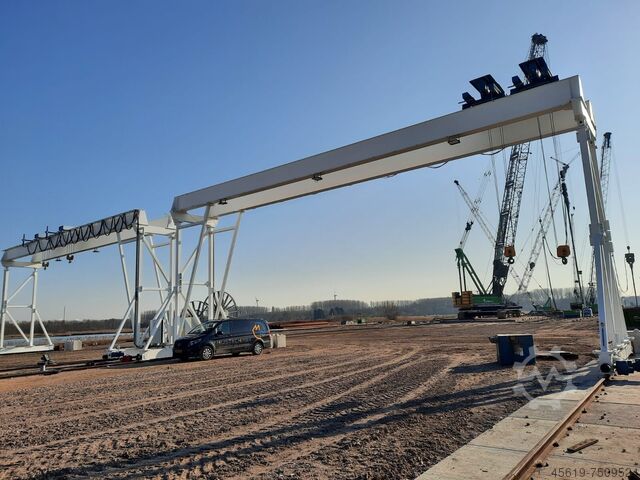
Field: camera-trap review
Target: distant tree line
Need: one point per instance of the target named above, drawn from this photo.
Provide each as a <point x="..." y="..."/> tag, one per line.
<point x="330" y="309"/>
<point x="59" y="327"/>
<point x="56" y="327"/>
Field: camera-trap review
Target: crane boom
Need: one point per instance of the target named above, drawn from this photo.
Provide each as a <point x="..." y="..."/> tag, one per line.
<point x="476" y="205"/>
<point x="512" y="195"/>
<point x="545" y="221"/>
<point x="483" y="222"/>
<point x="475" y="212"/>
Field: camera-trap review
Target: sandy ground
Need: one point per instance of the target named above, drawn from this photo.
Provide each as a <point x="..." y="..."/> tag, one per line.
<point x="360" y="402"/>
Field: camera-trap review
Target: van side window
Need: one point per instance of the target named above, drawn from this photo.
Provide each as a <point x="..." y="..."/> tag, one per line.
<point x="224" y="328"/>
<point x="238" y="327"/>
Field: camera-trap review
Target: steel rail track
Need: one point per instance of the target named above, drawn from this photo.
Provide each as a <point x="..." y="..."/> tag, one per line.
<point x="31" y="371"/>
<point x="527" y="465"/>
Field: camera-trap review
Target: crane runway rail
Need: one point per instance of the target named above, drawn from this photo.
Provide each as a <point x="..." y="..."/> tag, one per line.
<point x="534" y="459"/>
<point x="60" y="367"/>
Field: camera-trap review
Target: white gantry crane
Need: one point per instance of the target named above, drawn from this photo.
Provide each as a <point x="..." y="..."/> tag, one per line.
<point x="544" y="107"/>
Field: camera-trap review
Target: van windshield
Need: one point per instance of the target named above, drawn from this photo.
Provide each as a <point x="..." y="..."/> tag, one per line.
<point x="203" y="327"/>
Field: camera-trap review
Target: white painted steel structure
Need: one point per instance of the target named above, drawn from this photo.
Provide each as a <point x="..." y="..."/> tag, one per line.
<point x="537" y="113"/>
<point x="174" y="314"/>
<point x="6" y="315"/>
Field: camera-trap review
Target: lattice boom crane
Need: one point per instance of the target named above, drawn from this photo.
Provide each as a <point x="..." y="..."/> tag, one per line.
<point x="504" y="249"/>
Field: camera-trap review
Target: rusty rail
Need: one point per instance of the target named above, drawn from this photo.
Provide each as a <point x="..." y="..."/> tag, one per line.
<point x="526" y="466"/>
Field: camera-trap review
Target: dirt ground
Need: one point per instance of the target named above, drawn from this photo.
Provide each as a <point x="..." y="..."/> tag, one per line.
<point x="358" y="402"/>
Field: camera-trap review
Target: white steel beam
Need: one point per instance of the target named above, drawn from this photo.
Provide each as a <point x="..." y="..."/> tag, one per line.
<point x="507" y="121"/>
<point x="194" y="269"/>
<point x="211" y="272"/>
<point x="123" y="265"/>
<point x="34" y="296"/>
<point x="20" y="255"/>
<point x="227" y="267"/>
<point x="3" y="305"/>
<point x="614" y="341"/>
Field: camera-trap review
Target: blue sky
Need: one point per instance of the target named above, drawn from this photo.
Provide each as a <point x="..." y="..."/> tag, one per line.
<point x="109" y="106"/>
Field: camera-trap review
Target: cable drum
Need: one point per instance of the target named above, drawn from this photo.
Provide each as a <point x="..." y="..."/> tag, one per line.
<point x="228" y="307"/>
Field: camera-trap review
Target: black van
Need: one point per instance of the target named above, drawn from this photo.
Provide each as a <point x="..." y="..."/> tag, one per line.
<point x="233" y="336"/>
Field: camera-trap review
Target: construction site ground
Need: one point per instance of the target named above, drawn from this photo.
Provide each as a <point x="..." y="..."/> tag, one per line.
<point x="361" y="401"/>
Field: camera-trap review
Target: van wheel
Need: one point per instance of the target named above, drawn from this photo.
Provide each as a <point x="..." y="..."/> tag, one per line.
<point x="257" y="348"/>
<point x="206" y="353"/>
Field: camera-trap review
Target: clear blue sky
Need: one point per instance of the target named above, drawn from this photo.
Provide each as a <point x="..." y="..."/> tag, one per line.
<point x="109" y="106"/>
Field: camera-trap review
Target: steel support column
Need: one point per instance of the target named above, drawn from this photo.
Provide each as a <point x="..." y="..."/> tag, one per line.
<point x="136" y="294"/>
<point x="219" y="309"/>
<point x="3" y="305"/>
<point x="194" y="268"/>
<point x="34" y="296"/>
<point x="177" y="287"/>
<point x="614" y="343"/>
<point x="211" y="264"/>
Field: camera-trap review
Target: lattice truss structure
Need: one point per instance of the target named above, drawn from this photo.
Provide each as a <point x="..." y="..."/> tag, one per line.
<point x="529" y="114"/>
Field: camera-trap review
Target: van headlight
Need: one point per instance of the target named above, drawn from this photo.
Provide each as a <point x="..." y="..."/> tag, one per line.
<point x="193" y="343"/>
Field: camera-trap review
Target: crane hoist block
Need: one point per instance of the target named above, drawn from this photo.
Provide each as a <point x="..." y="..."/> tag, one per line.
<point x="564" y="251"/>
<point x="630" y="258"/>
<point x="509" y="251"/>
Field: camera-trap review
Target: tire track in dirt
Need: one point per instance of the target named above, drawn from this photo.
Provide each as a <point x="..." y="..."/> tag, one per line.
<point x="147" y="407"/>
<point x="100" y="407"/>
<point x="127" y="380"/>
<point x="421" y="431"/>
<point x="363" y="420"/>
<point x="244" y="438"/>
<point x="187" y="393"/>
<point x="303" y="450"/>
<point x="131" y="432"/>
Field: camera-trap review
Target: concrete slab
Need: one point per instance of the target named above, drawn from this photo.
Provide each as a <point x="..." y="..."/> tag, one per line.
<point x="544" y="409"/>
<point x="151" y="354"/>
<point x="613" y="443"/>
<point x="572" y="395"/>
<point x="625" y="392"/>
<point x="521" y="434"/>
<point x="473" y="462"/>
<point x="27" y="349"/>
<point x="613" y="414"/>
